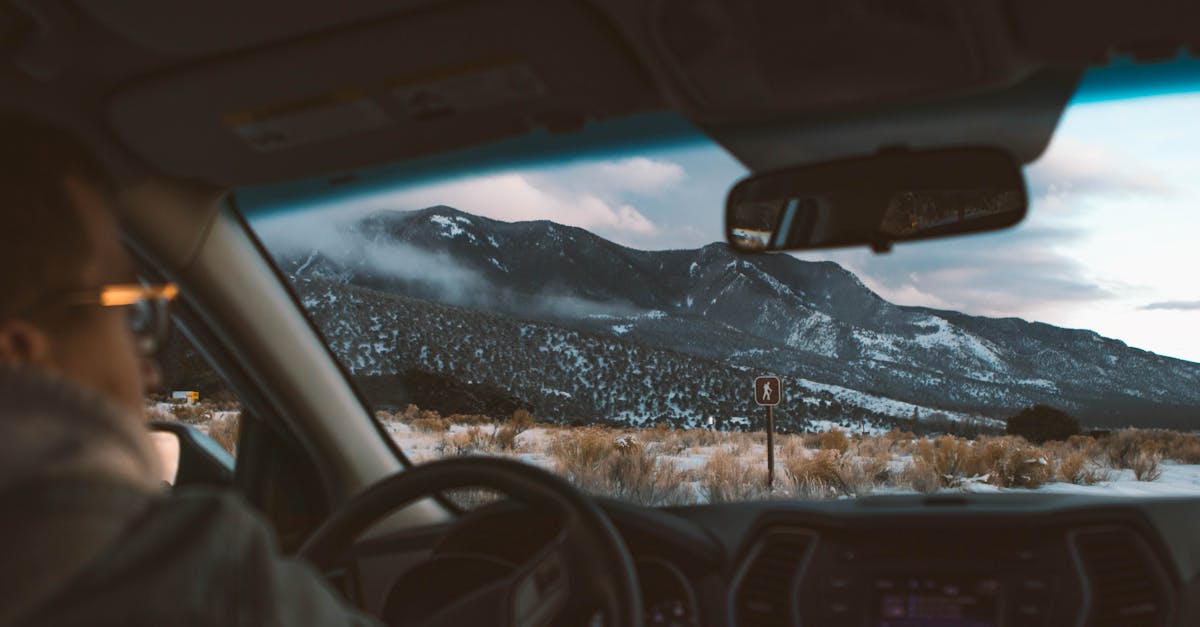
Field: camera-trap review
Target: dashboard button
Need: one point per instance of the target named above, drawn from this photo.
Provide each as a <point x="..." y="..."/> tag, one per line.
<point x="1037" y="585"/>
<point x="837" y="584"/>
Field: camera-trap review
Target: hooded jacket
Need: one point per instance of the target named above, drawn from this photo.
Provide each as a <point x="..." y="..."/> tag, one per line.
<point x="88" y="536"/>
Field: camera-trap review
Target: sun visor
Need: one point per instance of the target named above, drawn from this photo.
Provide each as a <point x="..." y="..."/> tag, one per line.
<point x="733" y="58"/>
<point x="207" y="27"/>
<point x="1019" y="119"/>
<point x="1088" y="32"/>
<point x="383" y="92"/>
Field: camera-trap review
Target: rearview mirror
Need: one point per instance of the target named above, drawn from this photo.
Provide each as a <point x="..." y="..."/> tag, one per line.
<point x="891" y="197"/>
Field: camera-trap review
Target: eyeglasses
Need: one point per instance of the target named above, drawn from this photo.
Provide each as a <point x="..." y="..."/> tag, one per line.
<point x="147" y="308"/>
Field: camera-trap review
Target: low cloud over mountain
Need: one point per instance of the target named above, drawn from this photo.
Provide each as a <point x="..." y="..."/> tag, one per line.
<point x="609" y="321"/>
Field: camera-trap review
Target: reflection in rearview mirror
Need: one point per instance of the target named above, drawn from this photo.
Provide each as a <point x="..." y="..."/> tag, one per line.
<point x="910" y="213"/>
<point x="877" y="200"/>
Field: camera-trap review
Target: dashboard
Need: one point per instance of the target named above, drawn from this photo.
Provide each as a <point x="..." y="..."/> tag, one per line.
<point x="998" y="560"/>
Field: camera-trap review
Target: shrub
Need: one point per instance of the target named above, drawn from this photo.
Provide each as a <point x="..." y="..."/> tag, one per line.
<point x="618" y="466"/>
<point x="921" y="476"/>
<point x="1147" y="465"/>
<point x="1071" y="468"/>
<point x="729" y="478"/>
<point x="818" y="476"/>
<point x="988" y="454"/>
<point x="156" y="413"/>
<point x="468" y="419"/>
<point x="862" y="474"/>
<point x="951" y="459"/>
<point x="924" y="451"/>
<point x="1122" y="448"/>
<point x="627" y="444"/>
<point x="791" y="446"/>
<point x="504" y="439"/>
<point x="225" y="432"/>
<point x="1022" y="466"/>
<point x="634" y="474"/>
<point x="1079" y="468"/>
<point x="521" y="421"/>
<point x="833" y="440"/>
<point x="460" y="443"/>
<point x="578" y="452"/>
<point x="192" y="414"/>
<point x="680" y="440"/>
<point x="434" y="424"/>
<point x="1183" y="448"/>
<point x="1042" y="423"/>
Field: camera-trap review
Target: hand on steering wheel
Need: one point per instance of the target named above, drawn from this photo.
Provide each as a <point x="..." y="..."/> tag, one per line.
<point x="584" y="569"/>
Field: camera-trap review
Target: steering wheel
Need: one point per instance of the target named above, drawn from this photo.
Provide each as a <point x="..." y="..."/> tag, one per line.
<point x="584" y="568"/>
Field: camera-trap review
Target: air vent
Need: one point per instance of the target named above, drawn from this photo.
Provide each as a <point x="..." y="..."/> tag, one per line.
<point x="764" y="592"/>
<point x="1126" y="584"/>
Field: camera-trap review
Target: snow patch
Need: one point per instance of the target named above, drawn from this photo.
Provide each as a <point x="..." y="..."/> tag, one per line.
<point x="450" y="226"/>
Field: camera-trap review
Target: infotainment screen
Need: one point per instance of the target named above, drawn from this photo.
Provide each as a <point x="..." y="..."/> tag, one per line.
<point x="933" y="601"/>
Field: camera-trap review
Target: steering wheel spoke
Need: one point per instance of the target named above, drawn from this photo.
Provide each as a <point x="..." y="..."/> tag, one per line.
<point x="585" y="571"/>
<point x="542" y="588"/>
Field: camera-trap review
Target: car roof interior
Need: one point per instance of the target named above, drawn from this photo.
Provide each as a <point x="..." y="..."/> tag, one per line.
<point x="175" y="88"/>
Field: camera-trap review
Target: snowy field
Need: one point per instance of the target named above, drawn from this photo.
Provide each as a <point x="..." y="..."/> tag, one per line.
<point x="660" y="467"/>
<point x="665" y="466"/>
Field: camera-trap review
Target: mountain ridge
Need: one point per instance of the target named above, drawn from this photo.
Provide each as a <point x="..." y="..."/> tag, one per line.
<point x="814" y="321"/>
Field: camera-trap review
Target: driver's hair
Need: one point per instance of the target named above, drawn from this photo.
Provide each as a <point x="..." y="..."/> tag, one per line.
<point x="44" y="245"/>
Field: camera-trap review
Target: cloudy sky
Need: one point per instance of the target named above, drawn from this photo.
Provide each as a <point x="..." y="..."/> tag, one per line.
<point x="1112" y="241"/>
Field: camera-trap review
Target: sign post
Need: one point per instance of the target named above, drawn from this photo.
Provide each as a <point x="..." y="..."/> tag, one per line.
<point x="767" y="392"/>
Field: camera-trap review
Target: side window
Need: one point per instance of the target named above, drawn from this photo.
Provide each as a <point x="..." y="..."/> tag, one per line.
<point x="193" y="393"/>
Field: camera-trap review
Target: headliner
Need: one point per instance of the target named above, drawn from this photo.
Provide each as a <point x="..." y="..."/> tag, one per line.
<point x="175" y="88"/>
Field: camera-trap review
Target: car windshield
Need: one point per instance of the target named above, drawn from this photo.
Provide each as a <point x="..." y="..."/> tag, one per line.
<point x="586" y="316"/>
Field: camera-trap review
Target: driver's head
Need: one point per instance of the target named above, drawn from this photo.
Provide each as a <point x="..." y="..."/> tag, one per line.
<point x="59" y="241"/>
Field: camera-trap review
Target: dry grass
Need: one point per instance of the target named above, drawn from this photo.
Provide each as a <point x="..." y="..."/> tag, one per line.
<point x="817" y="476"/>
<point x="155" y="413"/>
<point x="952" y="459"/>
<point x="505" y="438"/>
<point x="469" y="419"/>
<point x="1183" y="448"/>
<point x="727" y="477"/>
<point x="617" y="464"/>
<point x="833" y="440"/>
<point x="1147" y="465"/>
<point x="662" y="465"/>
<point x="1124" y="448"/>
<point x="431" y="424"/>
<point x="920" y="476"/>
<point x="521" y="421"/>
<point x="225" y="432"/>
<point x="627" y="463"/>
<point x="193" y="414"/>
<point x="1022" y="466"/>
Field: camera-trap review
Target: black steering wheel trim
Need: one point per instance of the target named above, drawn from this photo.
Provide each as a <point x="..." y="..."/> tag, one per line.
<point x="589" y="555"/>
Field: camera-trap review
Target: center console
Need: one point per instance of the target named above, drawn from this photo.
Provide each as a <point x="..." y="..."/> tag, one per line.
<point x="923" y="575"/>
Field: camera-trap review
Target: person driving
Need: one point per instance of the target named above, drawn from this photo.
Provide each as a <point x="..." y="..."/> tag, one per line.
<point x="87" y="534"/>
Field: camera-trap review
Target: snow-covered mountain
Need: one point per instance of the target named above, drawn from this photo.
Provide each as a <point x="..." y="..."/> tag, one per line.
<point x="814" y="323"/>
